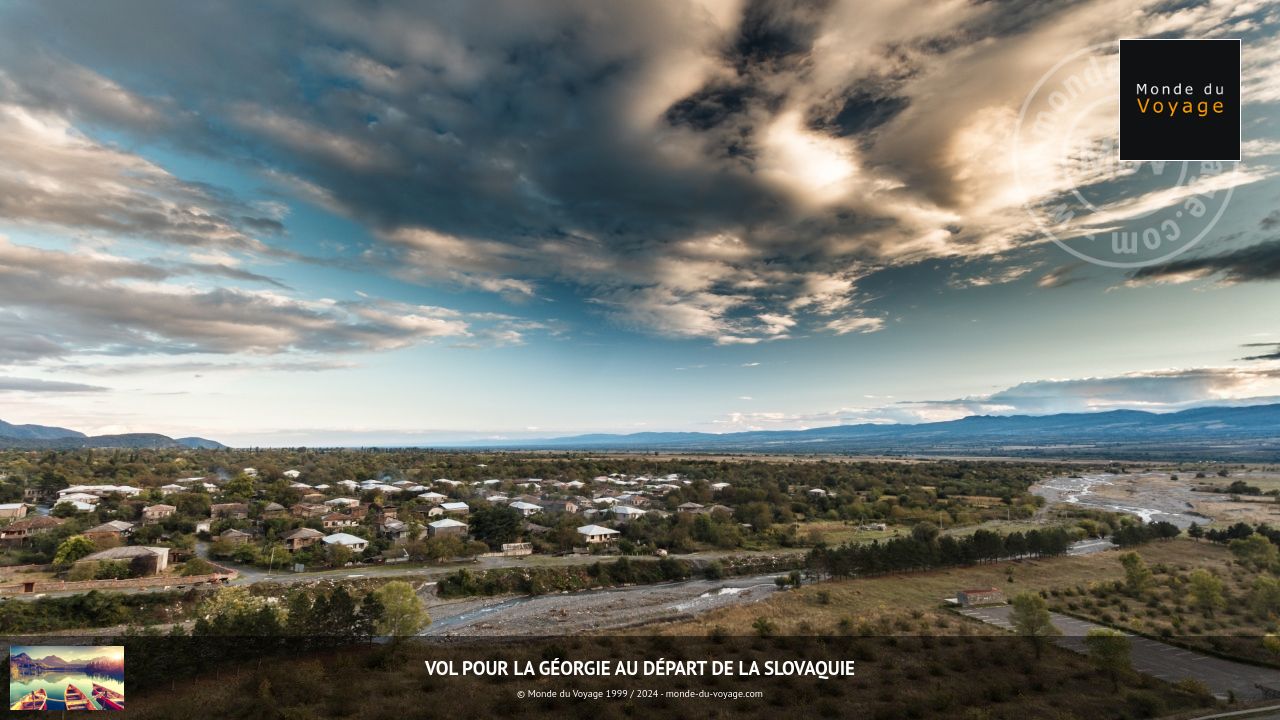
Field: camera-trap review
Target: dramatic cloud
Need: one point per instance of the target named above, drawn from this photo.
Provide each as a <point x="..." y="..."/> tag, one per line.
<point x="718" y="169"/>
<point x="1251" y="263"/>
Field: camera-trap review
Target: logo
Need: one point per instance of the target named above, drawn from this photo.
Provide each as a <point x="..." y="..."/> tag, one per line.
<point x="1101" y="209"/>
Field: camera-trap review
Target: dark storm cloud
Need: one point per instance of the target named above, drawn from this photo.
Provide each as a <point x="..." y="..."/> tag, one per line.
<point x="1252" y="263"/>
<point x="698" y="169"/>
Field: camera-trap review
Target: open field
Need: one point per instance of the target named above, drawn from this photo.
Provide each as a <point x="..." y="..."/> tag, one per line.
<point x="918" y="597"/>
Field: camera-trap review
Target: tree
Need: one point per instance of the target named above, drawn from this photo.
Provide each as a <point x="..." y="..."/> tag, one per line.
<point x="1265" y="597"/>
<point x="403" y="613"/>
<point x="1031" y="619"/>
<point x="1137" y="576"/>
<point x="925" y="532"/>
<point x="1109" y="653"/>
<point x="1195" y="531"/>
<point x="1206" y="591"/>
<point x="72" y="549"/>
<point x="495" y="525"/>
<point x="1255" y="552"/>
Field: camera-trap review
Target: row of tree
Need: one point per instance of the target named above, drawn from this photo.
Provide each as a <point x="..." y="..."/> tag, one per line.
<point x="924" y="549"/>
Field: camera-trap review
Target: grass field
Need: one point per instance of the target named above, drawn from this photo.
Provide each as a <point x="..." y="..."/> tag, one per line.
<point x="916" y="599"/>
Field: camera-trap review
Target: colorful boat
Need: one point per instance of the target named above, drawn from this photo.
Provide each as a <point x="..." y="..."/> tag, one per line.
<point x="108" y="698"/>
<point x="75" y="699"/>
<point x="37" y="700"/>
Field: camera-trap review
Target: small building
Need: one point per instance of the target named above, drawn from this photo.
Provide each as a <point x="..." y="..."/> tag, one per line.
<point x="149" y="560"/>
<point x="354" y="543"/>
<point x="689" y="507"/>
<point x="561" y="506"/>
<point x="596" y="534"/>
<point x="455" y="508"/>
<point x="274" y="510"/>
<point x="20" y="530"/>
<point x="980" y="596"/>
<point x="232" y="536"/>
<point x="12" y="511"/>
<point x="116" y="530"/>
<point x="337" y="520"/>
<point x="171" y="488"/>
<point x="447" y="526"/>
<point x="626" y="513"/>
<point x="229" y="510"/>
<point x="302" y="538"/>
<point x="525" y="508"/>
<point x="308" y="510"/>
<point x="152" y="513"/>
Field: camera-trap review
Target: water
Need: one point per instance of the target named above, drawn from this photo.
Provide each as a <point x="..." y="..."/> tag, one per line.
<point x="55" y="684"/>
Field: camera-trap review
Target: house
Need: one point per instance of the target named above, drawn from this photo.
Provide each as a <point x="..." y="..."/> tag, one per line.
<point x="171" y="488"/>
<point x="342" y="502"/>
<point x="626" y="513"/>
<point x="81" y="498"/>
<point x="20" y="530"/>
<point x="229" y="510"/>
<point x="114" y="530"/>
<point x="455" y="508"/>
<point x="337" y="520"/>
<point x="596" y="534"/>
<point x="980" y="596"/>
<point x="395" y="530"/>
<point x="561" y="506"/>
<point x="234" y="537"/>
<point x="308" y="510"/>
<point x="301" y="538"/>
<point x="274" y="510"/>
<point x="447" y="526"/>
<point x="689" y="507"/>
<point x="149" y="560"/>
<point x="152" y="513"/>
<point x="355" y="544"/>
<point x="525" y="508"/>
<point x="12" y="510"/>
<point x="817" y="492"/>
<point x="717" y="487"/>
<point x="292" y="474"/>
<point x="100" y="490"/>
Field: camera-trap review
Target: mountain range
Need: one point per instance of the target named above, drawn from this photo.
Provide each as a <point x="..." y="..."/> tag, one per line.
<point x="1251" y="432"/>
<point x="41" y="437"/>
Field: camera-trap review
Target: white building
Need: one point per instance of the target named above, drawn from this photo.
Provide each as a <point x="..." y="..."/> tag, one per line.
<point x="594" y="534"/>
<point x="356" y="544"/>
<point x="526" y="508"/>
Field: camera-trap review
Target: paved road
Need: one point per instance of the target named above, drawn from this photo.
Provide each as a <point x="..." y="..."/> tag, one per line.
<point x="1089" y="547"/>
<point x="1161" y="660"/>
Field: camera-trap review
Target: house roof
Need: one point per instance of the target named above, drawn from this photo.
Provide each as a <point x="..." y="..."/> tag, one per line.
<point x="11" y="506"/>
<point x="627" y="510"/>
<point x="113" y="526"/>
<point x="522" y="505"/>
<point x="37" y="522"/>
<point x="447" y="523"/>
<point x="160" y="506"/>
<point x="344" y="539"/>
<point x="596" y="530"/>
<point x="454" y="506"/>
<point x="127" y="552"/>
<point x="303" y="533"/>
<point x="232" y="532"/>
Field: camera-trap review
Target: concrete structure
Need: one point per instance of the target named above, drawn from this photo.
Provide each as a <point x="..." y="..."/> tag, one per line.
<point x="115" y="530"/>
<point x="980" y="596"/>
<point x="229" y="510"/>
<point x="13" y="511"/>
<point x="20" y="530"/>
<point x="525" y="508"/>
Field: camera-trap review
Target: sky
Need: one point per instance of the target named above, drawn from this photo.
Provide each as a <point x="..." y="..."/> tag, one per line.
<point x="70" y="653"/>
<point x="322" y="222"/>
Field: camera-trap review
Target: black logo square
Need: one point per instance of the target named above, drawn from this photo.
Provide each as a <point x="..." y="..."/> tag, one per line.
<point x="1179" y="99"/>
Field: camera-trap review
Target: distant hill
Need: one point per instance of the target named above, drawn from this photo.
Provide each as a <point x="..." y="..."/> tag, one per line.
<point x="36" y="432"/>
<point x="43" y="437"/>
<point x="1251" y="432"/>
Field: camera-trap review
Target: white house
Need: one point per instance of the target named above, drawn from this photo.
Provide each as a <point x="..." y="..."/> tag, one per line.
<point x="356" y="544"/>
<point x="171" y="488"/>
<point x="526" y="508"/>
<point x="455" y="508"/>
<point x="625" y="513"/>
<point x="594" y="534"/>
<point x="292" y="474"/>
<point x="433" y="497"/>
<point x="342" y="502"/>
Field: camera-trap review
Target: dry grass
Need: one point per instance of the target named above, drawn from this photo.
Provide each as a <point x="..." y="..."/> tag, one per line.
<point x="822" y="606"/>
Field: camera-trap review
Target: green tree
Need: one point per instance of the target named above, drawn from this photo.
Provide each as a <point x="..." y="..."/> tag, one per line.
<point x="1031" y="619"/>
<point x="1206" y="591"/>
<point x="1137" y="576"/>
<point x="1255" y="552"/>
<point x="403" y="612"/>
<point x="1109" y="653"/>
<point x="72" y="549"/>
<point x="1264" y="599"/>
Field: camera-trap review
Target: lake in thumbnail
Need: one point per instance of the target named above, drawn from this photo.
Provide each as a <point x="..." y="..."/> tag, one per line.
<point x="66" y="677"/>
